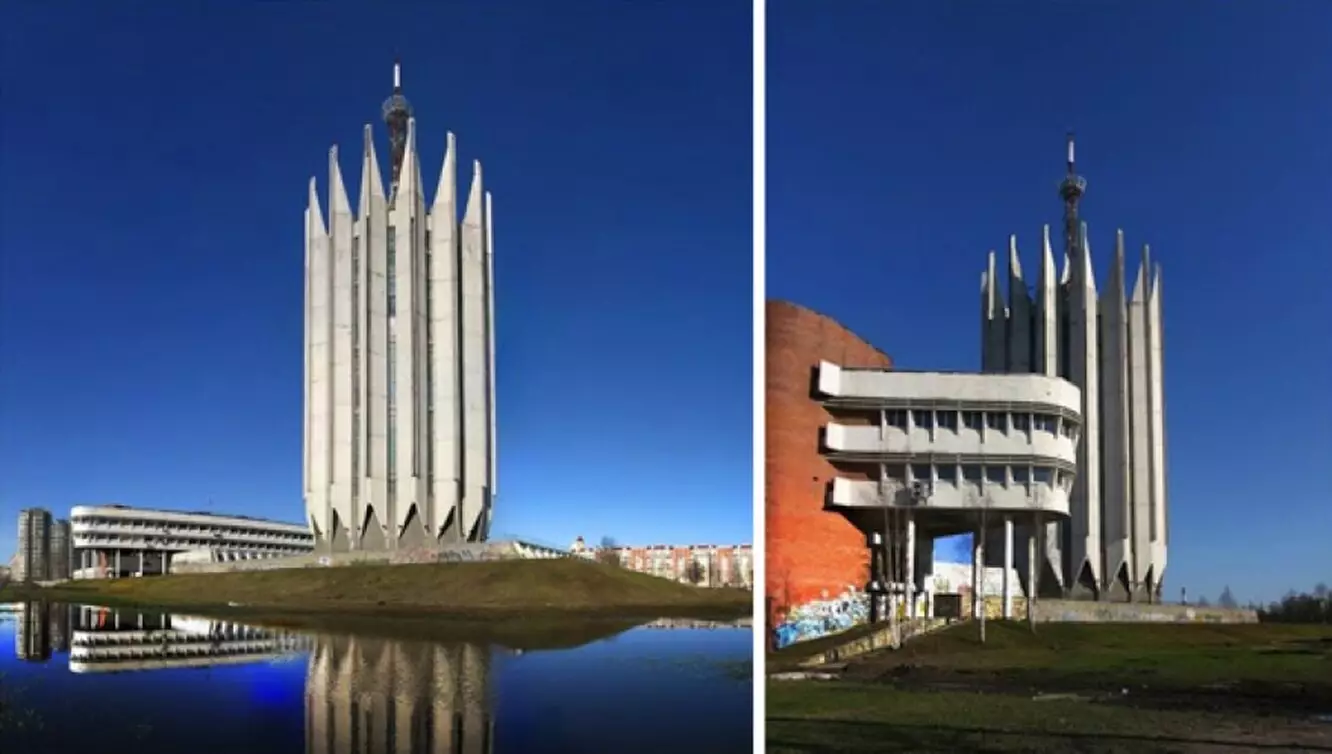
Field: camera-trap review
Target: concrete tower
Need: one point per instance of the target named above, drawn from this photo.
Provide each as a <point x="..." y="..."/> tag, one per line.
<point x="399" y="430"/>
<point x="33" y="561"/>
<point x="1109" y="345"/>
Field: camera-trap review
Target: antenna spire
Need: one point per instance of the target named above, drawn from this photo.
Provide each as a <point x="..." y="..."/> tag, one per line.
<point x="1071" y="190"/>
<point x="397" y="111"/>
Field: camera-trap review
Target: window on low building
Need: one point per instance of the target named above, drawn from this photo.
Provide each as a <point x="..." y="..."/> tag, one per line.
<point x="973" y="473"/>
<point x="946" y="420"/>
<point x="947" y="473"/>
<point x="895" y="472"/>
<point x="972" y="420"/>
<point x="920" y="472"/>
<point x="895" y="417"/>
<point x="1044" y="423"/>
<point x="1020" y="475"/>
<point x="923" y="418"/>
<point x="1042" y="474"/>
<point x="1022" y="422"/>
<point x="996" y="475"/>
<point x="995" y="420"/>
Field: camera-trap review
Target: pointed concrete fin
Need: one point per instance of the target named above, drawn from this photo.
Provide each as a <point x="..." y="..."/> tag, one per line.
<point x="337" y="190"/>
<point x="1014" y="264"/>
<point x="409" y="176"/>
<point x="372" y="182"/>
<point x="1068" y="270"/>
<point x="985" y="281"/>
<point x="1140" y="281"/>
<point x="315" y="211"/>
<point x="1088" y="273"/>
<point x="1047" y="257"/>
<point x="1117" y="270"/>
<point x="447" y="190"/>
<point x="992" y="291"/>
<point x="1156" y="281"/>
<point x="475" y="197"/>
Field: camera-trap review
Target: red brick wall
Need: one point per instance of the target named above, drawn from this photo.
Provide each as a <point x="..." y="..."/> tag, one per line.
<point x="810" y="551"/>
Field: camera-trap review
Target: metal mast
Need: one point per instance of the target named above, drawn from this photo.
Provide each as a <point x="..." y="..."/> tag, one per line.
<point x="397" y="110"/>
<point x="1071" y="190"/>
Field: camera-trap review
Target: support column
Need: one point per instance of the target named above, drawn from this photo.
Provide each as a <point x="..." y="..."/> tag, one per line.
<point x="117" y="563"/>
<point x="1008" y="567"/>
<point x="910" y="575"/>
<point x="977" y="553"/>
<point x="1037" y="531"/>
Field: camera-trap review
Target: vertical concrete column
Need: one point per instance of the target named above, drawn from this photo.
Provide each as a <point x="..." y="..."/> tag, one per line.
<point x="1008" y="567"/>
<point x="1037" y="531"/>
<point x="910" y="564"/>
<point x="977" y="552"/>
<point x="117" y="566"/>
<point x="978" y="597"/>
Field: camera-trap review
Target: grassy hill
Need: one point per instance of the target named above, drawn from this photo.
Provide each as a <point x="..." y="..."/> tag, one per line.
<point x="1071" y="686"/>
<point x="460" y="589"/>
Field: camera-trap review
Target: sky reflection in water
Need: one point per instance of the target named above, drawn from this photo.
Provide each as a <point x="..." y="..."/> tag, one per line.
<point x="97" y="682"/>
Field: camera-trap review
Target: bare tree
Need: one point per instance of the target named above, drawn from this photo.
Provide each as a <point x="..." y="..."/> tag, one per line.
<point x="694" y="572"/>
<point x="609" y="552"/>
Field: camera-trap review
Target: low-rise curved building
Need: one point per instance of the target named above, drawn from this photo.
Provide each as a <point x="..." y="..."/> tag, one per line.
<point x="116" y="540"/>
<point x="948" y="453"/>
<point x="950" y="442"/>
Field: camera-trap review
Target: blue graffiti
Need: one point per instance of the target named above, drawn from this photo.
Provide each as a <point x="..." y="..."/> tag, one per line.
<point x="822" y="617"/>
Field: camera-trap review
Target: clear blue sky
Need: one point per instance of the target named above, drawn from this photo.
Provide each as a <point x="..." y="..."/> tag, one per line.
<point x="905" y="140"/>
<point x="152" y="188"/>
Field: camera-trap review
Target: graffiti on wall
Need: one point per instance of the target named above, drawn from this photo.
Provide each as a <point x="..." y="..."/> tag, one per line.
<point x="822" y="617"/>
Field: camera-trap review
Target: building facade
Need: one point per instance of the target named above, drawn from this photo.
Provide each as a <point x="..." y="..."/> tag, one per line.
<point x="923" y="455"/>
<point x="111" y="541"/>
<point x="42" y="547"/>
<point x="816" y="558"/>
<point x="399" y="429"/>
<point x="1109" y="344"/>
<point x="700" y="565"/>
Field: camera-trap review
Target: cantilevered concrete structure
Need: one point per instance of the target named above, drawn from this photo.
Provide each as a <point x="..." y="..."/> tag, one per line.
<point x="922" y="455"/>
<point x="399" y="446"/>
<point x="1109" y="345"/>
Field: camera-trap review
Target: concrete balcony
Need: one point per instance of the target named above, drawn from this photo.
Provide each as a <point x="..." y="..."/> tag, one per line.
<point x="1051" y="501"/>
<point x="1037" y="444"/>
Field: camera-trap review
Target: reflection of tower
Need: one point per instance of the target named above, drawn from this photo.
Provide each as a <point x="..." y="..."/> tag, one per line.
<point x="383" y="697"/>
<point x="58" y="618"/>
<point x="32" y="637"/>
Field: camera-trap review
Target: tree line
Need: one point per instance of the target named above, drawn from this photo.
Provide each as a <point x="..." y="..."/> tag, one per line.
<point x="1295" y="607"/>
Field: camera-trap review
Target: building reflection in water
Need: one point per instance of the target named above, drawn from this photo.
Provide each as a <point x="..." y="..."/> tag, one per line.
<point x="376" y="696"/>
<point x="384" y="697"/>
<point x="42" y="628"/>
<point x="107" y="640"/>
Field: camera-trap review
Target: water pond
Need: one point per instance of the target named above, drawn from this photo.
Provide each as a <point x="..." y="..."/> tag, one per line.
<point x="86" y="678"/>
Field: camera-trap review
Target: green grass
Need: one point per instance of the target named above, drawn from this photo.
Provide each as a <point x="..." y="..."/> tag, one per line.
<point x="520" y="603"/>
<point x="1131" y="653"/>
<point x="1134" y="687"/>
<point x="849" y="717"/>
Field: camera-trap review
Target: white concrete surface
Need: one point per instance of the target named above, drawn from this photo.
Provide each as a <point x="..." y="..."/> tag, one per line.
<point x="1118" y="509"/>
<point x="400" y="408"/>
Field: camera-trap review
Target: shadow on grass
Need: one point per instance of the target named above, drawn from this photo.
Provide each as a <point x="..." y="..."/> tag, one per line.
<point x="801" y="736"/>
